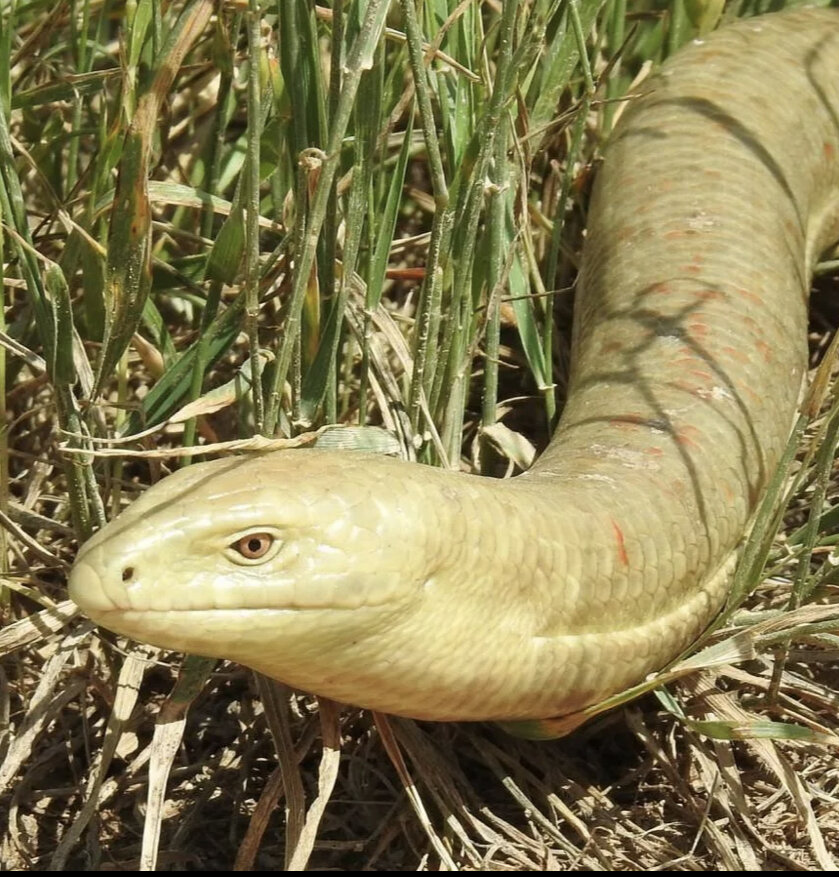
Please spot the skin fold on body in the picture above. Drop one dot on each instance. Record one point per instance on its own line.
(442, 596)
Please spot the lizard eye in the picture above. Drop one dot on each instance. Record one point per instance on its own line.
(253, 546)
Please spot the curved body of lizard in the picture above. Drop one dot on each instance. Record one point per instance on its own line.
(442, 596)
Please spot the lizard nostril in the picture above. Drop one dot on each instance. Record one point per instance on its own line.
(128, 574)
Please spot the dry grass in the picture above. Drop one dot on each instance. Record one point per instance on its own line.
(106, 761)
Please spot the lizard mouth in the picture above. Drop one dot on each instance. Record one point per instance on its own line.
(91, 592)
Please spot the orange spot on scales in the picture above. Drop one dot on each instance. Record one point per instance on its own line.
(703, 376)
(686, 435)
(748, 294)
(764, 350)
(685, 387)
(735, 354)
(746, 390)
(661, 288)
(622, 555)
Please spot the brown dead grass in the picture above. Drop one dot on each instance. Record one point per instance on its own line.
(107, 762)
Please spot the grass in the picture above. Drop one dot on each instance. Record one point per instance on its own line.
(377, 210)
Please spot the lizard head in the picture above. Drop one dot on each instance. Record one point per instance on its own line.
(293, 563)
